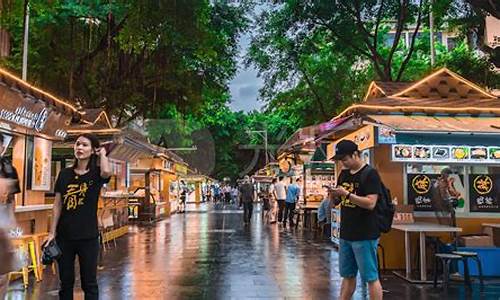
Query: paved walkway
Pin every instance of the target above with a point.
(207, 253)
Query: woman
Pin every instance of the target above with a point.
(74, 224)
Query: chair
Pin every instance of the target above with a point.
(26, 244)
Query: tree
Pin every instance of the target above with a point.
(129, 57)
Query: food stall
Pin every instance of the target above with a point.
(31, 120)
(154, 184)
(411, 132)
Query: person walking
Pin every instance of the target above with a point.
(74, 224)
(247, 197)
(292, 196)
(280, 193)
(358, 187)
(273, 201)
(234, 194)
(9, 187)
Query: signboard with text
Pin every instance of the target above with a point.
(420, 190)
(484, 192)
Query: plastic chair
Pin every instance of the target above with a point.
(26, 244)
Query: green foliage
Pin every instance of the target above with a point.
(130, 57)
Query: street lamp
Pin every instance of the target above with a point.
(263, 134)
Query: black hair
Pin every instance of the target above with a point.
(281, 178)
(1, 138)
(95, 144)
(274, 180)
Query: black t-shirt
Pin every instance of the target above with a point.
(247, 192)
(357, 223)
(79, 197)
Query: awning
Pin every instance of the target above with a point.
(438, 124)
(311, 134)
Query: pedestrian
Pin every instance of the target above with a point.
(292, 196)
(74, 222)
(234, 194)
(217, 193)
(280, 194)
(273, 202)
(266, 206)
(325, 216)
(183, 197)
(227, 193)
(358, 187)
(247, 197)
(9, 186)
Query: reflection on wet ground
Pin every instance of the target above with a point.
(207, 253)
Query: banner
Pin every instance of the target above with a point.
(484, 192)
(420, 190)
(42, 159)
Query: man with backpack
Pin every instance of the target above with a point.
(358, 190)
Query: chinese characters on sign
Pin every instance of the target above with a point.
(484, 193)
(420, 190)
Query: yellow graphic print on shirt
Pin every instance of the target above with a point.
(348, 186)
(75, 195)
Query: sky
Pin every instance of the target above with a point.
(245, 86)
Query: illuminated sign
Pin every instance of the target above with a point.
(439, 153)
(24, 117)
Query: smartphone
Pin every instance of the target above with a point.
(109, 146)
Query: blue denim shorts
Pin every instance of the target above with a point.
(358, 255)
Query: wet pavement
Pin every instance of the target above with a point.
(208, 253)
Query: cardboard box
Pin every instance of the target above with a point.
(476, 241)
(494, 232)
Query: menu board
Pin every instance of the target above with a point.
(484, 192)
(439, 153)
(420, 190)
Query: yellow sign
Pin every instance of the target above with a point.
(483, 184)
(363, 137)
(181, 169)
(421, 184)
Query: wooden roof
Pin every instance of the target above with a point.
(18, 84)
(442, 92)
(438, 123)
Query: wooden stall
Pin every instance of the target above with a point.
(31, 120)
(411, 132)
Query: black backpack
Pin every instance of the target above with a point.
(384, 209)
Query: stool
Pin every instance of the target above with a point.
(26, 243)
(446, 259)
(472, 255)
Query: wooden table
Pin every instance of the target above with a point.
(422, 228)
(308, 211)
